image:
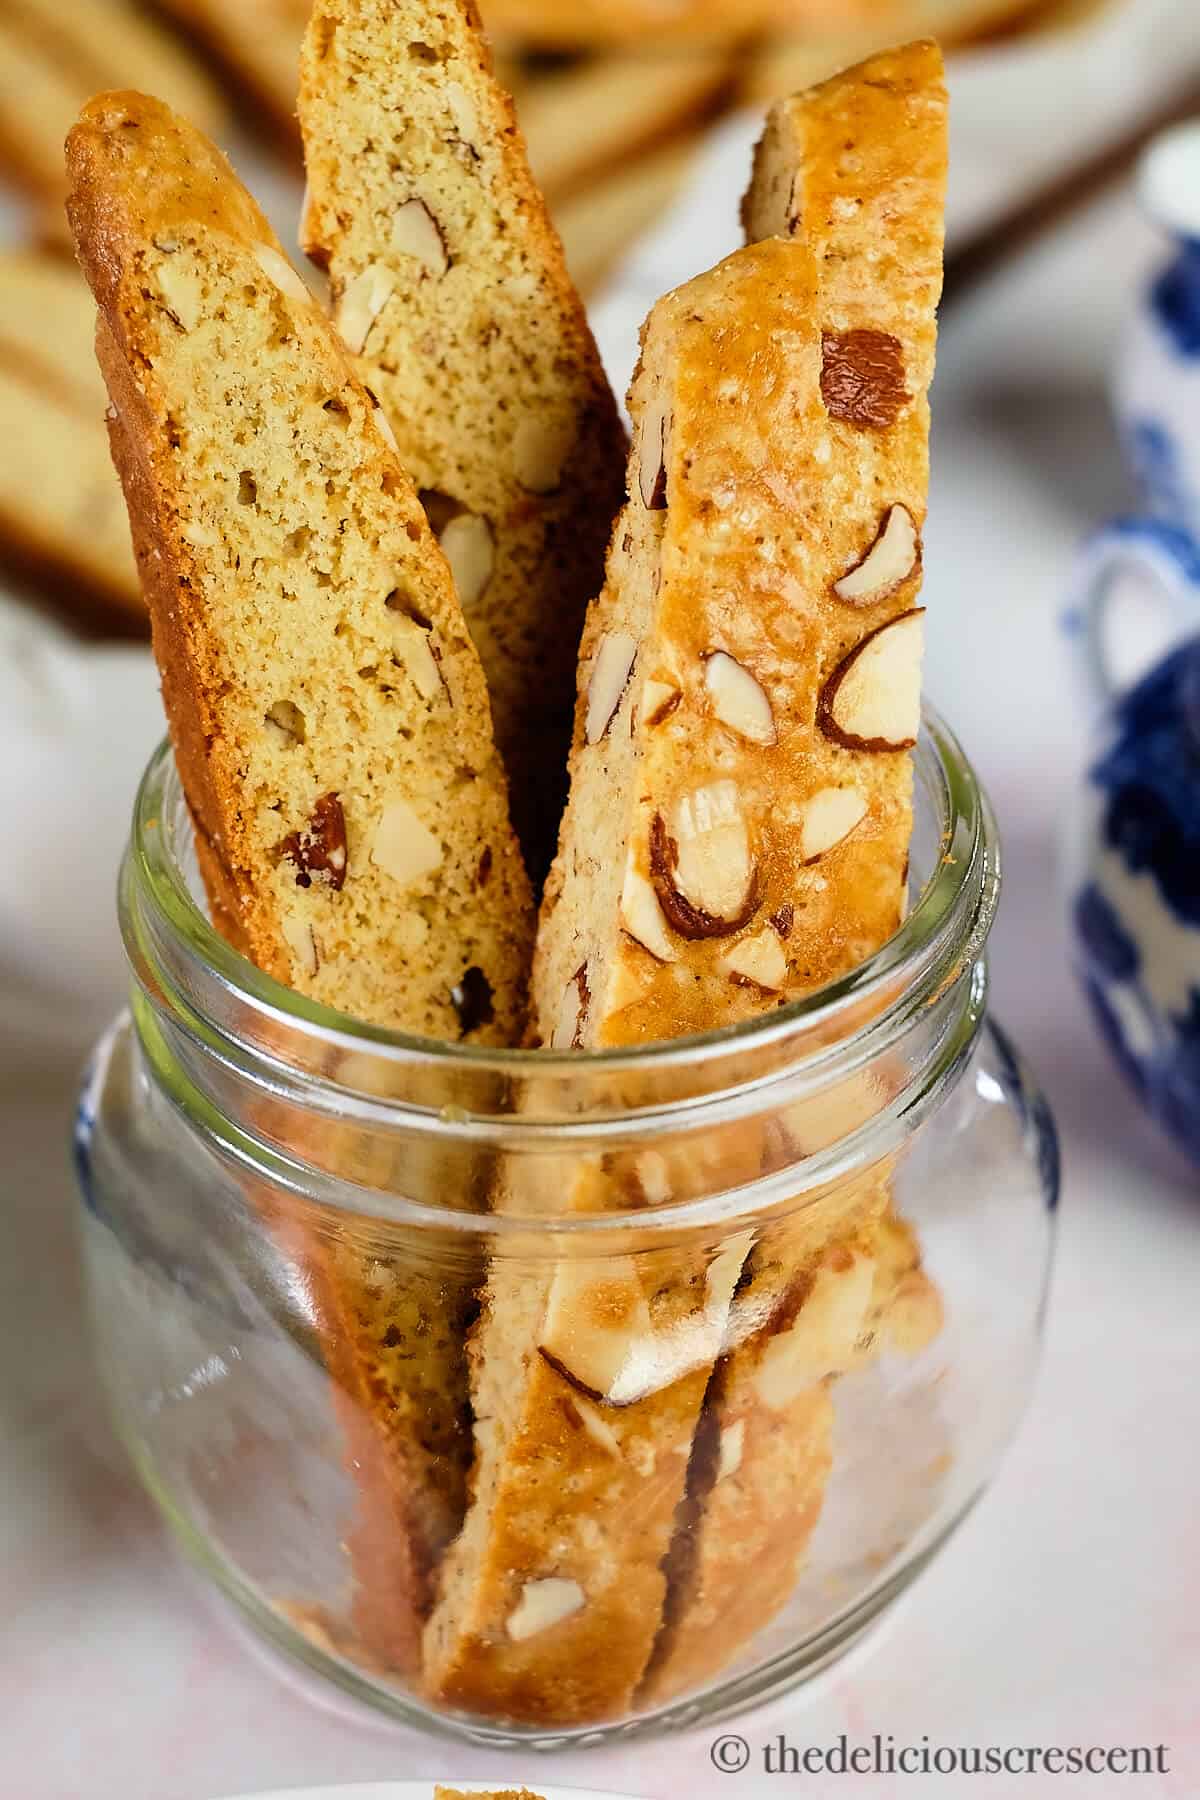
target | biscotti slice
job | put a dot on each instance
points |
(62, 517)
(449, 284)
(721, 853)
(260, 46)
(445, 1793)
(330, 722)
(54, 57)
(853, 175)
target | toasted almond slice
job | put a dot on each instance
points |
(652, 461)
(279, 270)
(760, 959)
(738, 698)
(732, 1445)
(872, 701)
(415, 232)
(543, 1604)
(821, 1340)
(891, 559)
(829, 816)
(702, 865)
(361, 303)
(597, 1332)
(611, 669)
(642, 916)
(470, 549)
(404, 847)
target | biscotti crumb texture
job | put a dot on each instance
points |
(852, 174)
(449, 285)
(329, 714)
(331, 728)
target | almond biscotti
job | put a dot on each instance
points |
(329, 717)
(62, 517)
(449, 285)
(853, 175)
(736, 835)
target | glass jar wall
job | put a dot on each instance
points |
(539, 1394)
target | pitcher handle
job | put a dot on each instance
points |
(1134, 596)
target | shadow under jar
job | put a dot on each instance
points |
(778, 1342)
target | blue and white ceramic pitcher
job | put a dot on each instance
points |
(1136, 860)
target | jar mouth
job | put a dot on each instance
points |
(171, 941)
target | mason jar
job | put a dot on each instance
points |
(544, 1395)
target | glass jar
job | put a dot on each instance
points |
(752, 1316)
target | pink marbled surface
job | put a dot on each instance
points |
(1068, 1608)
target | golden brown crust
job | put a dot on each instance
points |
(855, 170)
(448, 279)
(329, 718)
(723, 543)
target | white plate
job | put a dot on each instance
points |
(423, 1790)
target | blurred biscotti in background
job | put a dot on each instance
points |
(258, 45)
(614, 98)
(56, 53)
(62, 519)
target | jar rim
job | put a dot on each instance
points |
(944, 931)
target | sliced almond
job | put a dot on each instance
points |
(822, 1338)
(540, 449)
(543, 1604)
(414, 652)
(595, 1425)
(738, 699)
(597, 1332)
(725, 1269)
(363, 299)
(703, 870)
(642, 917)
(760, 959)
(611, 669)
(872, 701)
(659, 700)
(891, 559)
(572, 1012)
(182, 294)
(652, 1175)
(829, 816)
(384, 426)
(278, 269)
(286, 722)
(732, 1447)
(470, 549)
(298, 935)
(415, 232)
(461, 108)
(652, 456)
(403, 847)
